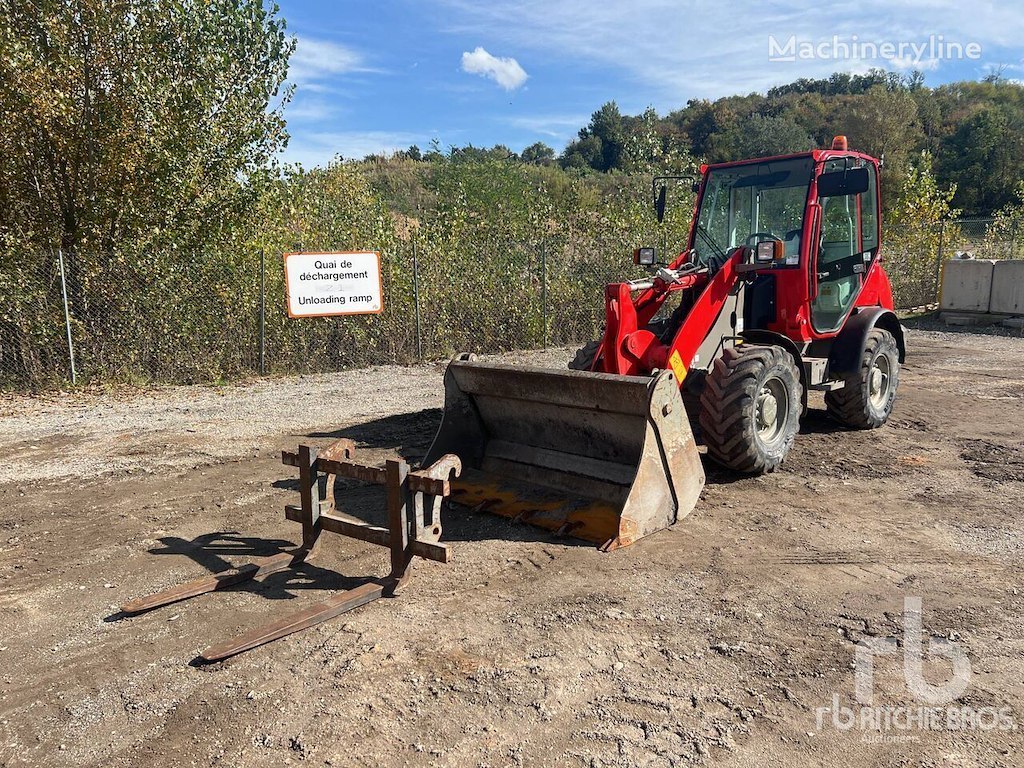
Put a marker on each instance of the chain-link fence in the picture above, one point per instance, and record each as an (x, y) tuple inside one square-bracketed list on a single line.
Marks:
[(914, 259), (983, 239), (181, 320), (175, 318), (201, 320)]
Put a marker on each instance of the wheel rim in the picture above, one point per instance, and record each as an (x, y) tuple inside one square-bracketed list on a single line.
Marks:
[(772, 410), (878, 381)]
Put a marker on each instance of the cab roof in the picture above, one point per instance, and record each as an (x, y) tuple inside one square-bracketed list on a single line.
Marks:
[(817, 155)]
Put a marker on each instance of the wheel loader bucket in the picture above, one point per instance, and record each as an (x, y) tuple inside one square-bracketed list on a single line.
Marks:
[(597, 456)]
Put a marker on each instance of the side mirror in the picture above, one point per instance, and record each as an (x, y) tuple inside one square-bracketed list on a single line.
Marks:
[(644, 256), (659, 203), (852, 181)]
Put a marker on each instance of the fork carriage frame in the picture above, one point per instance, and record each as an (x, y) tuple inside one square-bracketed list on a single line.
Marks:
[(411, 495)]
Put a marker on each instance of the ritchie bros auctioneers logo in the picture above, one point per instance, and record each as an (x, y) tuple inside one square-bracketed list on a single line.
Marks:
[(934, 711), (902, 54)]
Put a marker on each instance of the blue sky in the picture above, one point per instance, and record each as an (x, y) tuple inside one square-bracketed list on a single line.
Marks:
[(379, 76)]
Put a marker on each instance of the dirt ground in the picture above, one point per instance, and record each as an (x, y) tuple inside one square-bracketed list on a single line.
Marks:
[(715, 642)]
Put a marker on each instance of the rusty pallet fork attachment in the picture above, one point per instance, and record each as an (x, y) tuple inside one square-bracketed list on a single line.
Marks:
[(410, 494)]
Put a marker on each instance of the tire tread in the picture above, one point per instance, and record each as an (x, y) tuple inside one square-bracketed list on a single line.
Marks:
[(728, 404), (850, 405)]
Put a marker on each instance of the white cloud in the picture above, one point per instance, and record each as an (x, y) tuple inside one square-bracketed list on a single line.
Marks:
[(310, 110), (909, 63), (552, 125), (317, 59), (506, 72), (557, 128)]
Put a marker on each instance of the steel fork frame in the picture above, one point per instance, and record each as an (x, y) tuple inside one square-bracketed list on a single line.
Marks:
[(407, 535)]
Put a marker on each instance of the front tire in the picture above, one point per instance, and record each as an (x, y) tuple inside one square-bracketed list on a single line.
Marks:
[(585, 356), (750, 408), (866, 400)]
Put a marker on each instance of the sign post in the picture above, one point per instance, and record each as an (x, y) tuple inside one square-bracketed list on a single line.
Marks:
[(67, 315), (329, 284)]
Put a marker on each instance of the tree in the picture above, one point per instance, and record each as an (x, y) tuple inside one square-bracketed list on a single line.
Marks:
[(538, 154), (602, 144), (471, 154), (986, 152), (882, 122), (1004, 235), (127, 122), (584, 153), (707, 125), (760, 136), (912, 232)]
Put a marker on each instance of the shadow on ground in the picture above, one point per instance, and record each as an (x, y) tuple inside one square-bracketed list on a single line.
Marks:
[(931, 322), (410, 434)]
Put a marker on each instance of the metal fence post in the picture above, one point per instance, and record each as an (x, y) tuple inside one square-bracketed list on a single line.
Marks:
[(416, 301), (263, 312), (1013, 239), (544, 293), (938, 262), (67, 314)]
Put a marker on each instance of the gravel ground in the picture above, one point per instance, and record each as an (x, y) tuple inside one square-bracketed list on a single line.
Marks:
[(716, 642)]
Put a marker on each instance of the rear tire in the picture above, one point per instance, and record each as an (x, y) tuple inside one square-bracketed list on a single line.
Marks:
[(585, 356), (866, 401), (750, 408)]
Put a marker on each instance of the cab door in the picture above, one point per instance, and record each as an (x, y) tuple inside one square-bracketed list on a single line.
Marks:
[(847, 245)]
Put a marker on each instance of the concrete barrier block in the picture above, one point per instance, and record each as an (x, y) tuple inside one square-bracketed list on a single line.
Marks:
[(1008, 288), (967, 285)]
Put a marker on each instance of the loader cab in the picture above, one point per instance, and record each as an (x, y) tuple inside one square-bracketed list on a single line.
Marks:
[(818, 213), (779, 292)]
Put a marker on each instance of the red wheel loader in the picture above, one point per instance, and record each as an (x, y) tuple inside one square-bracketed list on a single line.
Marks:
[(780, 290)]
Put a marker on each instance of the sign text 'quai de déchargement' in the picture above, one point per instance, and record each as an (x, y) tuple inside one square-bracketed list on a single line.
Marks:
[(322, 284)]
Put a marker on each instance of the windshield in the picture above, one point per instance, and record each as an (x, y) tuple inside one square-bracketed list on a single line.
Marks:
[(766, 198)]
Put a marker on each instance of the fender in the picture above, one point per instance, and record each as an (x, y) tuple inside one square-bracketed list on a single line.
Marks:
[(851, 340), (758, 336)]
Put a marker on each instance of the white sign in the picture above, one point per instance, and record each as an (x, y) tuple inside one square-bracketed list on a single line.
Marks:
[(323, 284)]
